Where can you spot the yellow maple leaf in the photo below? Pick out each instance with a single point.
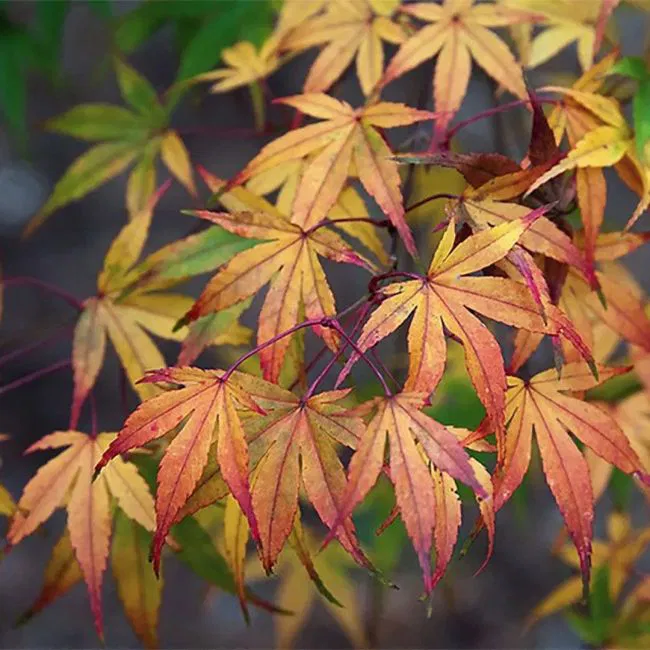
(458, 31)
(348, 30)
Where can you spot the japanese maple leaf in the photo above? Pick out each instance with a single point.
(67, 481)
(632, 415)
(245, 66)
(137, 134)
(347, 138)
(604, 146)
(564, 23)
(301, 447)
(137, 586)
(542, 406)
(458, 32)
(288, 258)
(350, 210)
(129, 305)
(602, 326)
(347, 30)
(619, 553)
(599, 137)
(448, 516)
(399, 420)
(203, 410)
(443, 298)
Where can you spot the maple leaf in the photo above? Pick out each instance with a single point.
(350, 210)
(127, 305)
(600, 137)
(399, 419)
(138, 134)
(348, 30)
(67, 481)
(541, 405)
(602, 326)
(245, 66)
(300, 446)
(458, 32)
(202, 410)
(138, 587)
(448, 508)
(347, 138)
(564, 23)
(288, 259)
(619, 554)
(633, 417)
(443, 299)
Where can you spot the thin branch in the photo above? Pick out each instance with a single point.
(14, 354)
(37, 374)
(251, 353)
(434, 197)
(45, 286)
(493, 111)
(335, 357)
(334, 325)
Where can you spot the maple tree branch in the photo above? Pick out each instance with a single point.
(44, 286)
(274, 339)
(33, 376)
(491, 112)
(342, 314)
(434, 197)
(14, 354)
(363, 312)
(337, 327)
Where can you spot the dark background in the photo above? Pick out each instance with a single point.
(483, 611)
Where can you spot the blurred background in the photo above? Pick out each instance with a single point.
(55, 55)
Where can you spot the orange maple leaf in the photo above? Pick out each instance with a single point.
(541, 405)
(348, 138)
(459, 33)
(399, 420)
(602, 326)
(288, 259)
(203, 408)
(443, 299)
(347, 30)
(67, 480)
(301, 444)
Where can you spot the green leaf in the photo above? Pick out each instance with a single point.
(204, 51)
(641, 113)
(93, 168)
(200, 554)
(94, 122)
(50, 19)
(140, 94)
(616, 389)
(601, 607)
(298, 544)
(14, 52)
(583, 626)
(137, 585)
(631, 66)
(196, 254)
